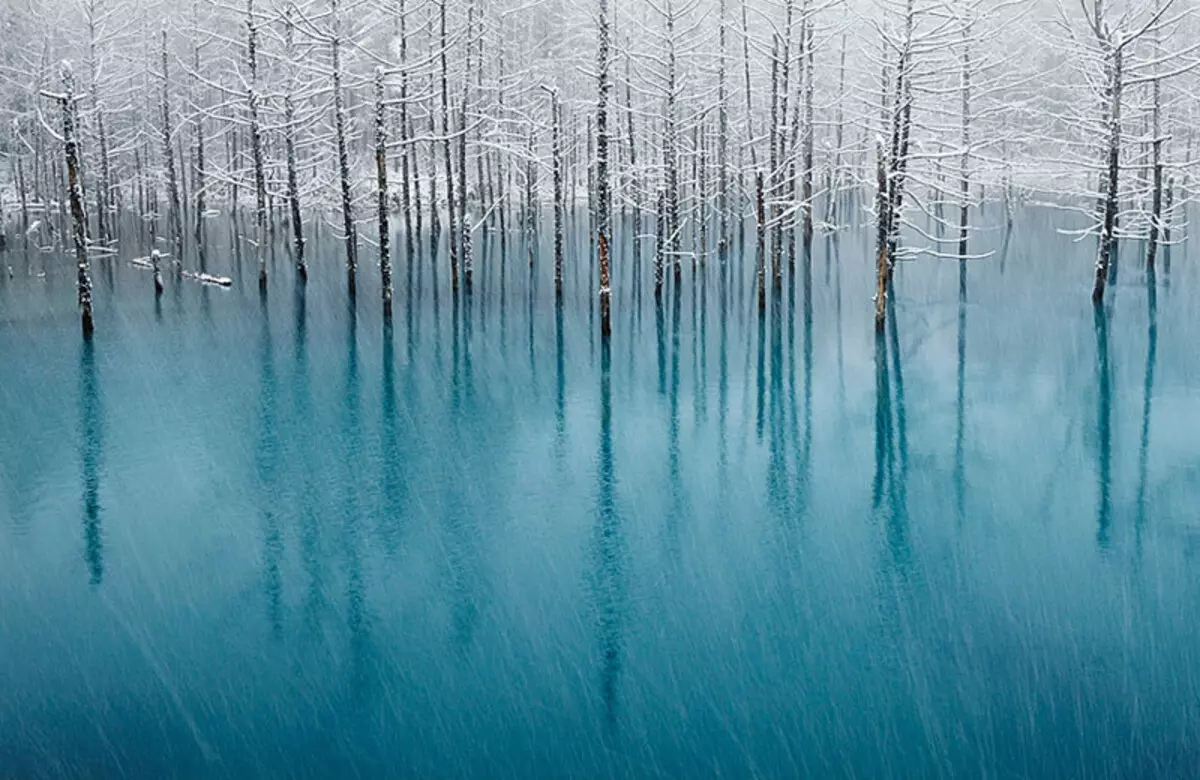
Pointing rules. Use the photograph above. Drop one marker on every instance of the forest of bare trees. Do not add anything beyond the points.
(679, 125)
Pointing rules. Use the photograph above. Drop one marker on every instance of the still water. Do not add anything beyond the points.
(281, 539)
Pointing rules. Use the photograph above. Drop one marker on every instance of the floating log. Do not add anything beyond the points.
(203, 278)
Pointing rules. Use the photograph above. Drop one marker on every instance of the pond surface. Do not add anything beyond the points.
(250, 539)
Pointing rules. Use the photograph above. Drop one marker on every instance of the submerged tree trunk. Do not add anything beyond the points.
(722, 140)
(256, 148)
(289, 143)
(407, 151)
(660, 247)
(156, 267)
(809, 135)
(385, 261)
(559, 205)
(198, 188)
(339, 126)
(835, 176)
(603, 207)
(530, 196)
(1107, 232)
(1157, 165)
(635, 183)
(104, 187)
(233, 163)
(881, 238)
(965, 169)
(760, 213)
(448, 154)
(435, 226)
(78, 219)
(198, 172)
(773, 158)
(174, 217)
(671, 149)
(901, 129)
(464, 223)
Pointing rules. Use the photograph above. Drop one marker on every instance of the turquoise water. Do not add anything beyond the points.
(244, 538)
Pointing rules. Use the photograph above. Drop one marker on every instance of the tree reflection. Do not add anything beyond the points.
(310, 534)
(560, 383)
(391, 456)
(91, 450)
(678, 509)
(1103, 428)
(609, 588)
(462, 545)
(1147, 394)
(889, 487)
(357, 622)
(266, 461)
(959, 397)
(804, 480)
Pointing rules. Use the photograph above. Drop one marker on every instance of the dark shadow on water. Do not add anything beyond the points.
(960, 490)
(661, 346)
(760, 377)
(462, 544)
(560, 384)
(700, 344)
(532, 298)
(677, 511)
(608, 552)
(1147, 396)
(1103, 429)
(898, 380)
(778, 478)
(91, 454)
(890, 484)
(723, 405)
(266, 461)
(311, 549)
(358, 623)
(883, 423)
(804, 446)
(392, 458)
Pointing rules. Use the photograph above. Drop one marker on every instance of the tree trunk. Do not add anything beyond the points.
(464, 223)
(671, 149)
(809, 135)
(1107, 234)
(635, 188)
(835, 177)
(385, 261)
(1157, 166)
(174, 216)
(1168, 219)
(722, 141)
(559, 205)
(407, 151)
(435, 226)
(450, 204)
(773, 161)
(760, 213)
(256, 147)
(660, 248)
(339, 125)
(289, 143)
(603, 206)
(965, 177)
(881, 237)
(78, 218)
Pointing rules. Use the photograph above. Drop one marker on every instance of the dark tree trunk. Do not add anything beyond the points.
(78, 218)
